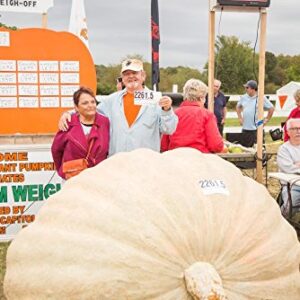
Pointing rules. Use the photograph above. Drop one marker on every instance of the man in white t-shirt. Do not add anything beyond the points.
(247, 110)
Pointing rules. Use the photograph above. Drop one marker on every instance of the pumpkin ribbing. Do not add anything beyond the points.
(130, 227)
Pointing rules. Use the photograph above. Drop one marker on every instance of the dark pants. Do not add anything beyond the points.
(249, 137)
(220, 127)
(248, 140)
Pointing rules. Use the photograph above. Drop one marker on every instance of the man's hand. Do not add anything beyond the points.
(63, 124)
(165, 103)
(241, 120)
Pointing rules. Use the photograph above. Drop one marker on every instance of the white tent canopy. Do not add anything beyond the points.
(285, 101)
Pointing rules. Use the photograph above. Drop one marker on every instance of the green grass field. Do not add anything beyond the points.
(3, 249)
(275, 121)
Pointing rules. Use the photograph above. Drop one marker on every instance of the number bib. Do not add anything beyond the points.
(215, 186)
(146, 97)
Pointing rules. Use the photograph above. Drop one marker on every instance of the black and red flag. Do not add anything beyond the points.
(155, 44)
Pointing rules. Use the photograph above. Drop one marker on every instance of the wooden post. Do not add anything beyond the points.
(261, 89)
(211, 60)
(44, 20)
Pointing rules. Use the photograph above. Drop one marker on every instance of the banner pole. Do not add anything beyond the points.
(261, 89)
(211, 60)
(44, 20)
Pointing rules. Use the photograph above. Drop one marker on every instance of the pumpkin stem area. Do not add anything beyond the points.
(203, 282)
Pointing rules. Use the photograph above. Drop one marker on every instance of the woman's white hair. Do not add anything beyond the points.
(194, 90)
(297, 95)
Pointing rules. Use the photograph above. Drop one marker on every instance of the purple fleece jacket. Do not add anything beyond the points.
(73, 144)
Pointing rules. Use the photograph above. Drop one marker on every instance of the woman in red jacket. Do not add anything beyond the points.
(294, 114)
(197, 127)
(88, 132)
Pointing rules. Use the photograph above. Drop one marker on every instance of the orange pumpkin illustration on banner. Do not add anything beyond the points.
(39, 71)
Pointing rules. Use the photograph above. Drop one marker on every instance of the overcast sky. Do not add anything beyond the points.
(121, 27)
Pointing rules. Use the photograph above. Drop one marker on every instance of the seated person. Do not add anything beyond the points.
(288, 160)
(197, 127)
(295, 113)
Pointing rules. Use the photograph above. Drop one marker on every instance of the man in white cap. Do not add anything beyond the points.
(247, 109)
(133, 126)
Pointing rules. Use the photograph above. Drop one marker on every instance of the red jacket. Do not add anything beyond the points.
(197, 128)
(294, 114)
(73, 144)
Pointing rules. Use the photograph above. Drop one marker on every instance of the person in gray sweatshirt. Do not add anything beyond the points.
(288, 161)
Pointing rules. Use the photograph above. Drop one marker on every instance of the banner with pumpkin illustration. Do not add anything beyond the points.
(27, 179)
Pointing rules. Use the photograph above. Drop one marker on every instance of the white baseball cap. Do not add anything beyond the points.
(132, 64)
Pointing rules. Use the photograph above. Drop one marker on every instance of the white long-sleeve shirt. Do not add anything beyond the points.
(143, 133)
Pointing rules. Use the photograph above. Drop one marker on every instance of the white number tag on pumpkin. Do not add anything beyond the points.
(146, 97)
(213, 186)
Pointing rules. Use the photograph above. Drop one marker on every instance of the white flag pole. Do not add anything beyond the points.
(44, 20)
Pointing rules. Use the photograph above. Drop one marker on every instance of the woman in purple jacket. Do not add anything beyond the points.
(87, 128)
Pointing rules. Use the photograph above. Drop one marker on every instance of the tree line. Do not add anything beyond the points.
(8, 27)
(235, 63)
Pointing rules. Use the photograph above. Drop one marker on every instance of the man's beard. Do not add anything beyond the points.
(133, 85)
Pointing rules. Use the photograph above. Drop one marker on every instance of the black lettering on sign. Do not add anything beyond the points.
(208, 183)
(138, 95)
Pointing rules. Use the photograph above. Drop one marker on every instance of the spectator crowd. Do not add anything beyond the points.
(92, 132)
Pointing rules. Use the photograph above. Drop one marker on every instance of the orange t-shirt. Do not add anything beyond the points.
(131, 111)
